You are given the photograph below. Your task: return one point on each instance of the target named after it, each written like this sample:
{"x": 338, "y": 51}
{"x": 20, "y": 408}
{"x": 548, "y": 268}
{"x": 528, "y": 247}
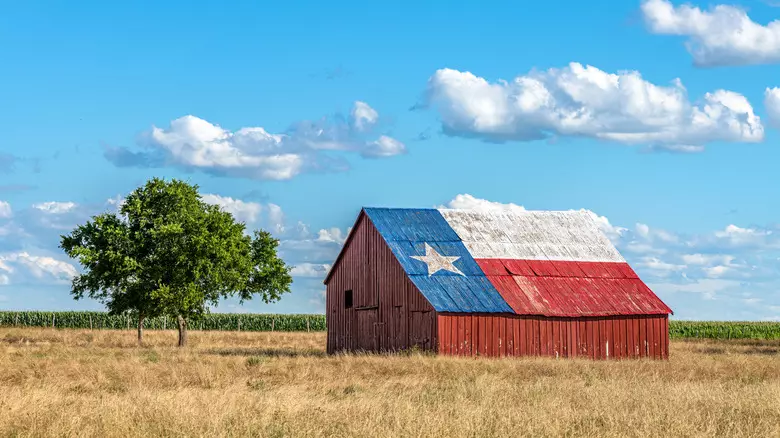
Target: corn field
{"x": 724, "y": 330}
{"x": 297, "y": 323}
{"x": 214, "y": 321}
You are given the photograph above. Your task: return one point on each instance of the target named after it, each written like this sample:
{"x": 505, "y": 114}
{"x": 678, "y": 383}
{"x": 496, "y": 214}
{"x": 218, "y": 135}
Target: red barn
{"x": 479, "y": 283}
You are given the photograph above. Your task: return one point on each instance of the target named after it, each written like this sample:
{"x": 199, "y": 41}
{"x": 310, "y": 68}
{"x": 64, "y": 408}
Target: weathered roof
{"x": 551, "y": 263}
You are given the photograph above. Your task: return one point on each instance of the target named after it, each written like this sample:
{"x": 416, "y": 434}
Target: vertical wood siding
{"x": 388, "y": 312}
{"x": 515, "y": 335}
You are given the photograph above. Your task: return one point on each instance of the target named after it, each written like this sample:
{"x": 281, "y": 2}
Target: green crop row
{"x": 214, "y": 321}
{"x": 724, "y": 330}
{"x": 296, "y": 323}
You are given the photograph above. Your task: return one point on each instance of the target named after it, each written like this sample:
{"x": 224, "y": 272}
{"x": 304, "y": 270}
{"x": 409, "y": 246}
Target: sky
{"x": 659, "y": 117}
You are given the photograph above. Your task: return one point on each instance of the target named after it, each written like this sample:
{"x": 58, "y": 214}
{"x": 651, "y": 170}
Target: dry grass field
{"x": 99, "y": 383}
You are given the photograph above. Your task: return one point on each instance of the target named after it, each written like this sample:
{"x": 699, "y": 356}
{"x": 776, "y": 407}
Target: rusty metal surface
{"x": 625, "y": 337}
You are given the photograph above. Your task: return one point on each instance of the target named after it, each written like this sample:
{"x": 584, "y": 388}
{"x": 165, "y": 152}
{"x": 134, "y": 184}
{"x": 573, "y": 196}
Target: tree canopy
{"x": 168, "y": 252}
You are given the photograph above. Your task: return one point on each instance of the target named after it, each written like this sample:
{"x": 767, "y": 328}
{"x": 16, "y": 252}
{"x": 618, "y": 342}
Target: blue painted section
{"x": 406, "y": 232}
{"x": 412, "y": 225}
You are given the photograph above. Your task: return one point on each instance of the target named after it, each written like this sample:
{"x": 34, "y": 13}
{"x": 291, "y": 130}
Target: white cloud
{"x": 54, "y": 207}
{"x": 707, "y": 259}
{"x": 772, "y": 106}
{"x": 5, "y": 210}
{"x": 304, "y": 248}
{"x": 734, "y": 236}
{"x": 247, "y": 212}
{"x": 316, "y": 270}
{"x": 276, "y": 218}
{"x": 583, "y": 101}
{"x": 194, "y": 142}
{"x": 659, "y": 267}
{"x": 116, "y": 202}
{"x": 334, "y": 235}
{"x": 467, "y": 201}
{"x": 18, "y": 265}
{"x": 384, "y": 147}
{"x": 722, "y": 35}
{"x": 363, "y": 116}
{"x": 253, "y": 152}
{"x": 269, "y": 216}
{"x": 707, "y": 288}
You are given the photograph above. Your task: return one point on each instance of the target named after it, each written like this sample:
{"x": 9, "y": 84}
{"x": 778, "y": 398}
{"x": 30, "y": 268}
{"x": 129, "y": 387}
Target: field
{"x": 291, "y": 323}
{"x": 99, "y": 383}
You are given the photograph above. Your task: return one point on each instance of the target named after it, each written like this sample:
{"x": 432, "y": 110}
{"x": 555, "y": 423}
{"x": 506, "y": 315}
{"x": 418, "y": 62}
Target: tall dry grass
{"x": 82, "y": 383}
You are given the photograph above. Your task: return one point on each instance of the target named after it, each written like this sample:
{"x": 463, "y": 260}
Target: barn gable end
{"x": 387, "y": 312}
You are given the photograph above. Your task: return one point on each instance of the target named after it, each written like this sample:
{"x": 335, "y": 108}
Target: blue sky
{"x": 659, "y": 117}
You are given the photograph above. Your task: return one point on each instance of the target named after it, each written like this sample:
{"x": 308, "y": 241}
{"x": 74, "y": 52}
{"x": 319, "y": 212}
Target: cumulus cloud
{"x": 332, "y": 235}
{"x": 363, "y": 116}
{"x": 252, "y": 152}
{"x": 243, "y": 211}
{"x": 583, "y": 101}
{"x": 315, "y": 270}
{"x": 772, "y": 106}
{"x": 723, "y": 35}
{"x": 383, "y": 147}
{"x": 17, "y": 265}
{"x": 5, "y": 210}
{"x": 54, "y": 207}
{"x": 470, "y": 202}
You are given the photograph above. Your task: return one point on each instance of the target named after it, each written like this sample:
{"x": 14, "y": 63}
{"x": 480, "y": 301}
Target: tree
{"x": 170, "y": 253}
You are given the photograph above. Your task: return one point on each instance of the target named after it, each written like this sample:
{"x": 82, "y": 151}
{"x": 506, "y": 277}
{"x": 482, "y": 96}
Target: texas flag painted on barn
{"x": 546, "y": 263}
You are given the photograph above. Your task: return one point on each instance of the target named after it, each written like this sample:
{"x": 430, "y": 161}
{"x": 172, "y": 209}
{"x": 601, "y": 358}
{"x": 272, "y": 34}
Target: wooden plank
{"x": 488, "y": 335}
{"x": 466, "y": 341}
{"x": 517, "y": 340}
{"x": 482, "y": 336}
{"x": 650, "y": 338}
{"x": 447, "y": 323}
{"x": 666, "y": 336}
{"x": 494, "y": 345}
{"x": 461, "y": 335}
{"x": 474, "y": 335}
{"x": 572, "y": 338}
{"x": 537, "y": 336}
{"x": 550, "y": 338}
{"x": 502, "y": 338}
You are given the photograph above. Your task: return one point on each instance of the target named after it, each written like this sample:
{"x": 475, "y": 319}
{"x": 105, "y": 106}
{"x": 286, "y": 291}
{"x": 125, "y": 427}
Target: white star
{"x": 437, "y": 262}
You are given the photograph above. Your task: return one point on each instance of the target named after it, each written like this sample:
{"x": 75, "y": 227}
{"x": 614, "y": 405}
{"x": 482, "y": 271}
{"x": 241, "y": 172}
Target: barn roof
{"x": 551, "y": 263}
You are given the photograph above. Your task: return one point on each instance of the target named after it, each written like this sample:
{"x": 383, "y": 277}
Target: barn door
{"x": 367, "y": 330}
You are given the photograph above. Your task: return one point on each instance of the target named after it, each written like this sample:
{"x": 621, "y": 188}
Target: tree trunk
{"x": 182, "y": 331}
{"x": 140, "y": 329}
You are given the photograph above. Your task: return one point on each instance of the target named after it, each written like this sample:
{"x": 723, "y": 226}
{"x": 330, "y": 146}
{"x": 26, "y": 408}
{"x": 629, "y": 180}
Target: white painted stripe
{"x": 532, "y": 235}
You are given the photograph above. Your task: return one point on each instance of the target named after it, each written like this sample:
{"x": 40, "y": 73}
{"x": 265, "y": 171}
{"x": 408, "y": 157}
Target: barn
{"x": 487, "y": 283}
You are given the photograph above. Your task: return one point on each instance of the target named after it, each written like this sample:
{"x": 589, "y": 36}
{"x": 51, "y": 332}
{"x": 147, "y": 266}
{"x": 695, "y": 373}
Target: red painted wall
{"x": 388, "y": 312}
{"x": 515, "y": 335}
